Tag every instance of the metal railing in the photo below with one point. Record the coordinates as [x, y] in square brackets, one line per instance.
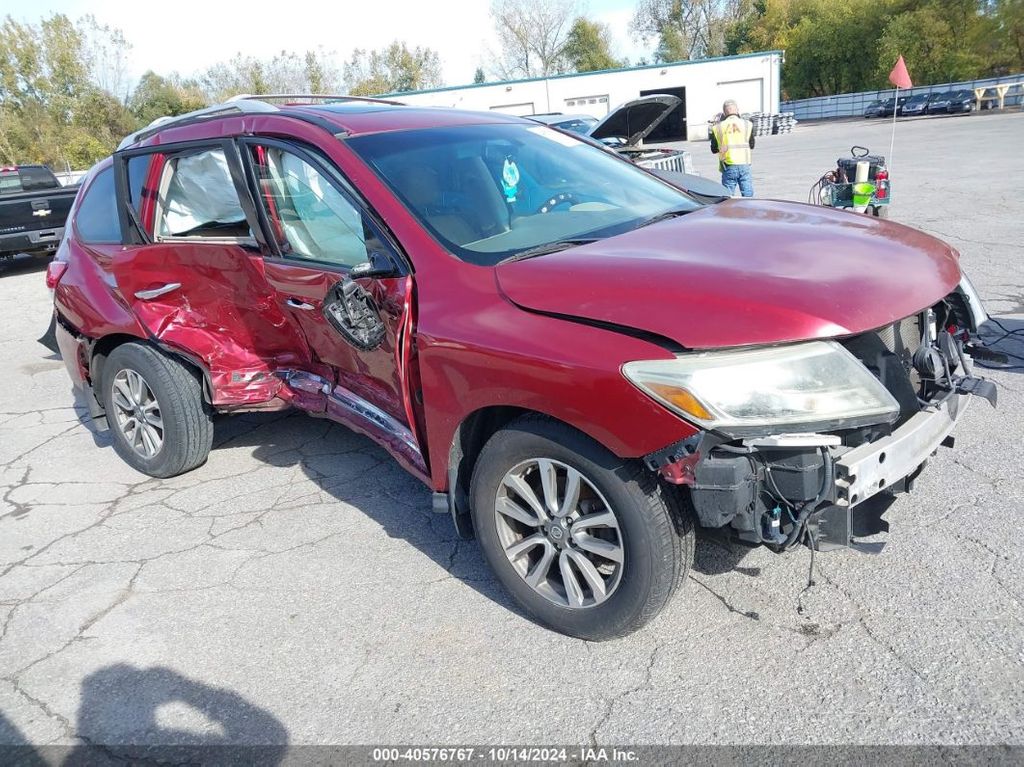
[854, 104]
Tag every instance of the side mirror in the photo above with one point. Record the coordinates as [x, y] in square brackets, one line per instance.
[377, 265]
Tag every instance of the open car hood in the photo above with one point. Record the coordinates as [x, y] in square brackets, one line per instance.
[743, 272]
[634, 120]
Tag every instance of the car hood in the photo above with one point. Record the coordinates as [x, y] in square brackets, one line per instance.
[634, 120]
[694, 184]
[742, 272]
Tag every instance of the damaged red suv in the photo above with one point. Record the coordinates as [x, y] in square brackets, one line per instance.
[580, 359]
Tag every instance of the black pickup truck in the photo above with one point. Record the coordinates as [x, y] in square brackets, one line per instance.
[33, 209]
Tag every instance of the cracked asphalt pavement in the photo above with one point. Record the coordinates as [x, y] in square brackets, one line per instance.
[298, 589]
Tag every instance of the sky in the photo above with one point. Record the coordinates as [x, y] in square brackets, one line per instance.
[187, 36]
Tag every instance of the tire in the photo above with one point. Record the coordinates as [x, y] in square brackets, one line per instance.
[186, 427]
[654, 535]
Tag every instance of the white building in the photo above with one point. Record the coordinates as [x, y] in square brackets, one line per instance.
[751, 79]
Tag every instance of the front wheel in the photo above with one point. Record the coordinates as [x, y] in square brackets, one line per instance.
[588, 544]
[155, 411]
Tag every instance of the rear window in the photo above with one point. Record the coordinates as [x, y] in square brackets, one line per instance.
[37, 178]
[96, 218]
[10, 182]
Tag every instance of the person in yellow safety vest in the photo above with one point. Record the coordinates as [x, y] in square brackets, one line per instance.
[732, 139]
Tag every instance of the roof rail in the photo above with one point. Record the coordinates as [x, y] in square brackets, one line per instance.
[244, 103]
[323, 97]
[235, 106]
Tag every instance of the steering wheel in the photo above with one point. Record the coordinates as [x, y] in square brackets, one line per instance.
[562, 198]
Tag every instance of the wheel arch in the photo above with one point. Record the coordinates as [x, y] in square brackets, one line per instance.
[468, 440]
[103, 347]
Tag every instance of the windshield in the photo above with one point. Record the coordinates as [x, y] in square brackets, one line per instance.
[490, 192]
[918, 98]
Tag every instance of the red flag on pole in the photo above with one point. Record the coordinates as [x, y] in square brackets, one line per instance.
[899, 76]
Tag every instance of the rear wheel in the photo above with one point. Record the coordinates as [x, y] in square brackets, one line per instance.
[588, 544]
[155, 411]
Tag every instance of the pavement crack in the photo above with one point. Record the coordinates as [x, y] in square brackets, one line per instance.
[14, 461]
[42, 705]
[751, 614]
[20, 509]
[611, 702]
[89, 622]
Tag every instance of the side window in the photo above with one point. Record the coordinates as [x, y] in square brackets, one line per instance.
[187, 195]
[310, 217]
[96, 217]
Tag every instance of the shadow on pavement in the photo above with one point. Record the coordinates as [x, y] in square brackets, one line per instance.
[391, 510]
[15, 751]
[129, 715]
[1003, 335]
[396, 501]
[716, 554]
[119, 723]
[23, 264]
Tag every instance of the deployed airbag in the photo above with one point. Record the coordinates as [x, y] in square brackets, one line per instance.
[200, 192]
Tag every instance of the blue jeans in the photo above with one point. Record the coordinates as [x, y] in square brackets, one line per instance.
[738, 174]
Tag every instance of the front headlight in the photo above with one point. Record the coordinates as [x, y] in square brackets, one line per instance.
[816, 384]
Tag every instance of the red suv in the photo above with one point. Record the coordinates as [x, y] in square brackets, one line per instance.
[579, 359]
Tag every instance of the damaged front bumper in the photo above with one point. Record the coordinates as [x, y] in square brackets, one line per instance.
[865, 471]
[766, 490]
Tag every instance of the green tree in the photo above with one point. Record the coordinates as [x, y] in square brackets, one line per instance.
[671, 46]
[833, 47]
[395, 69]
[157, 96]
[479, 76]
[689, 29]
[1008, 30]
[932, 47]
[588, 47]
[52, 109]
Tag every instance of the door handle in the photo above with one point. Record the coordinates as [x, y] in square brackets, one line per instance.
[295, 303]
[148, 295]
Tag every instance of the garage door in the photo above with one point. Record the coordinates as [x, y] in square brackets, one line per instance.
[520, 110]
[748, 94]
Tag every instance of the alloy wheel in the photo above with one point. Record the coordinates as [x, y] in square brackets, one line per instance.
[137, 413]
[559, 533]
